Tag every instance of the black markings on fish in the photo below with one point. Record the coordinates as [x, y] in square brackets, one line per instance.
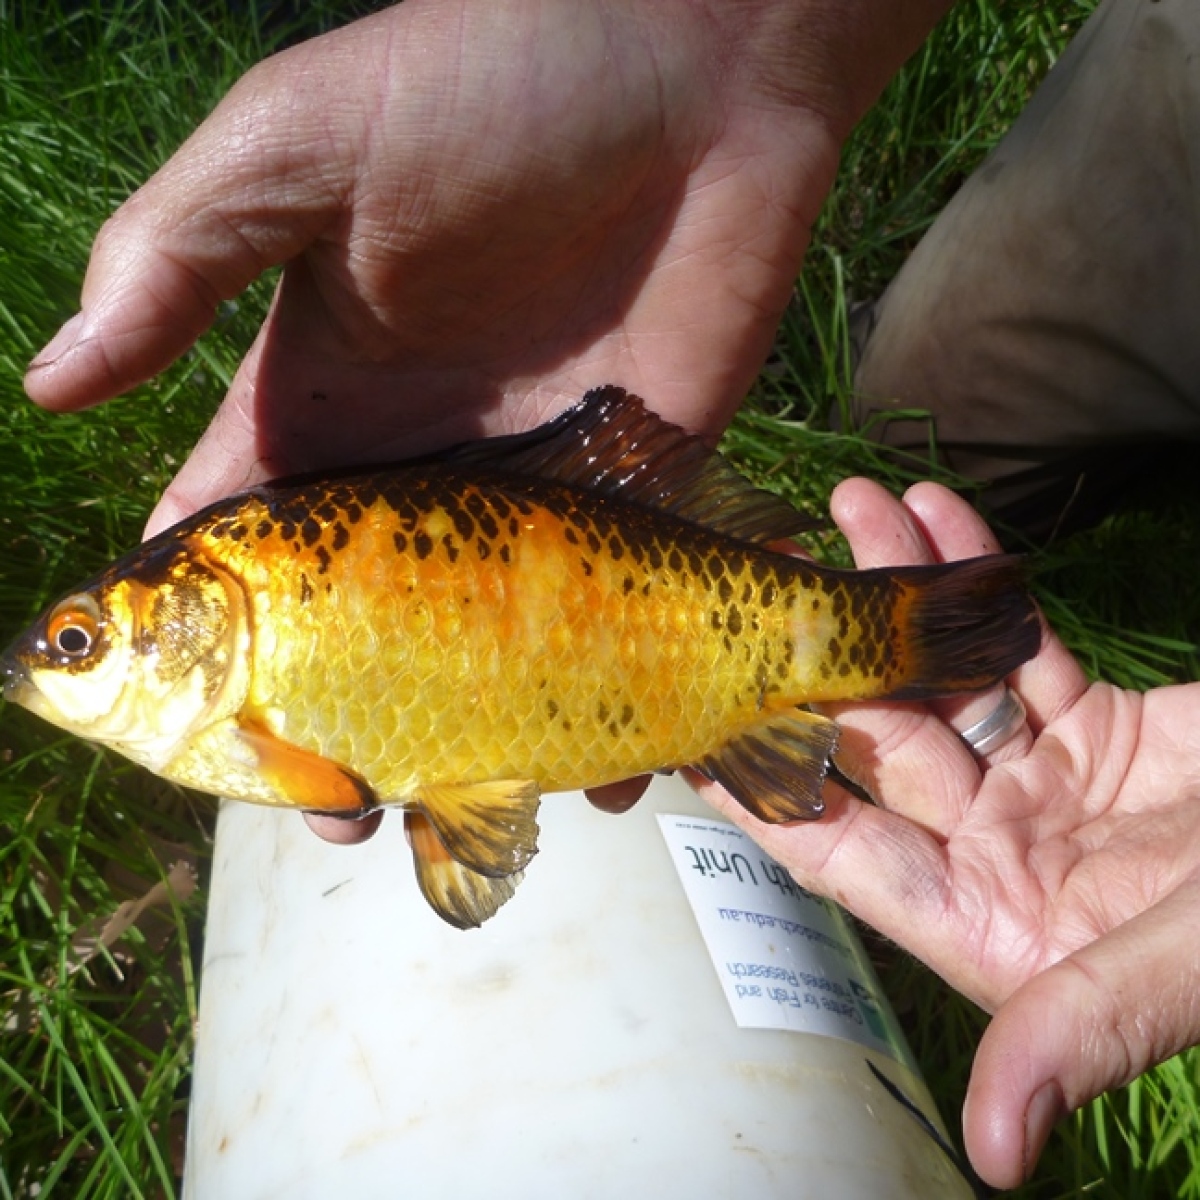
[462, 523]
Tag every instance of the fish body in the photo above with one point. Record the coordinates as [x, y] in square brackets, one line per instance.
[439, 628]
[457, 635]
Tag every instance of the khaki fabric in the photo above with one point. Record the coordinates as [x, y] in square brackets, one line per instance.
[1054, 306]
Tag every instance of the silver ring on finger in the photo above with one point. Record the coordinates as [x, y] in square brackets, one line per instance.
[998, 727]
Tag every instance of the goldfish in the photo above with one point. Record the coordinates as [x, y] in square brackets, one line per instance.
[458, 634]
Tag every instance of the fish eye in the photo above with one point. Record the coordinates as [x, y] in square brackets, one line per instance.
[74, 627]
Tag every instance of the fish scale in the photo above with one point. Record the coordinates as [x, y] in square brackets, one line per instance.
[456, 635]
[507, 671]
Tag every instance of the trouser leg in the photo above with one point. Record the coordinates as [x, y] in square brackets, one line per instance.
[1054, 306]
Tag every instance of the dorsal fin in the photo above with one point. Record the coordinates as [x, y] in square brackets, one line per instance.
[610, 444]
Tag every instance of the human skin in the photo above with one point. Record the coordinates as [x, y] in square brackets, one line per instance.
[1054, 881]
[485, 209]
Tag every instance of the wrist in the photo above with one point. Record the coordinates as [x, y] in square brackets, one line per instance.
[831, 58]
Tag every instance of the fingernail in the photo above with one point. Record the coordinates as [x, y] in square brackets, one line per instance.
[1045, 1110]
[60, 344]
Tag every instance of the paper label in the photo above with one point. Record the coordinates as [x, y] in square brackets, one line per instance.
[786, 958]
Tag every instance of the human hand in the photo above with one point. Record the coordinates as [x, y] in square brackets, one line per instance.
[1054, 881]
[484, 210]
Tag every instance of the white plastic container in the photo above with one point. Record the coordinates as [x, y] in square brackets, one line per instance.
[579, 1045]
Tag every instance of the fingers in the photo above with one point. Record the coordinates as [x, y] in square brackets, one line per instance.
[341, 832]
[992, 723]
[1092, 1022]
[1048, 684]
[618, 797]
[882, 532]
[912, 758]
[249, 189]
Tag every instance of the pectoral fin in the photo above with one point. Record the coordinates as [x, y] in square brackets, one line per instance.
[306, 779]
[489, 827]
[458, 895]
[775, 770]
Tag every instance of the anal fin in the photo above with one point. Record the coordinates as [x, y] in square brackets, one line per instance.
[303, 777]
[490, 828]
[776, 768]
[460, 896]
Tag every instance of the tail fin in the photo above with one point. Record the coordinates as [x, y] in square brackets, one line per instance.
[968, 624]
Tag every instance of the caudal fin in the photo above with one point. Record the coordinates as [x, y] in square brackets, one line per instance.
[965, 625]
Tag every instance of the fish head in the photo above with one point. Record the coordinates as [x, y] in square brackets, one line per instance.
[138, 659]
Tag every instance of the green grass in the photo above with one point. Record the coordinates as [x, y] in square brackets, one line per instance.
[95, 1031]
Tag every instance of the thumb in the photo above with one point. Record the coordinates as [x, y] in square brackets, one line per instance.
[1093, 1021]
[252, 187]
